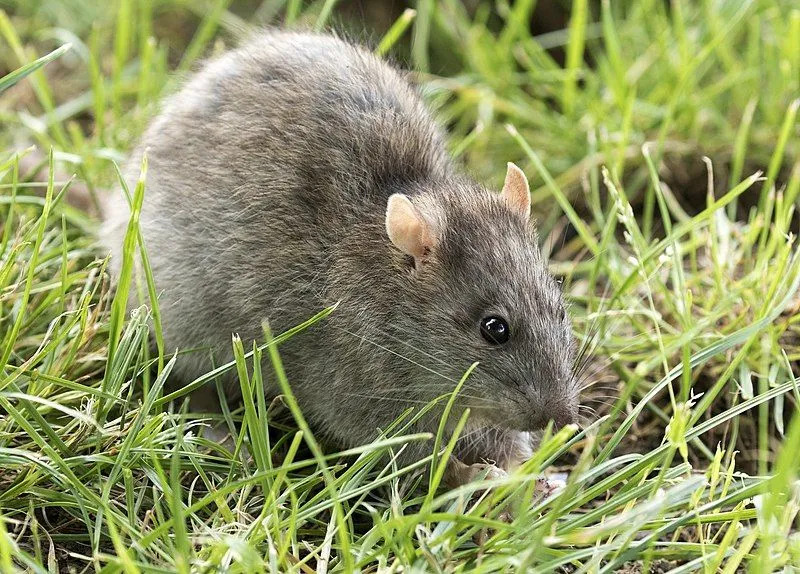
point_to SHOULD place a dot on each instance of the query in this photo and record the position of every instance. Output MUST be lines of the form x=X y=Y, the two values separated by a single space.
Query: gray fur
x=269 y=174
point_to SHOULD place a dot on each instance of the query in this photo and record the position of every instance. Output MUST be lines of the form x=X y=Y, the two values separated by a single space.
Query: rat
x=300 y=171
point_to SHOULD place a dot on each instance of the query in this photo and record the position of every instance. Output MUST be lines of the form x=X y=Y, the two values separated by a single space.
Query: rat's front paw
x=458 y=474
x=485 y=471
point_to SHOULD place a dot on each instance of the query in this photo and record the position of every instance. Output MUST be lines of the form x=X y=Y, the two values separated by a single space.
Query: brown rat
x=300 y=171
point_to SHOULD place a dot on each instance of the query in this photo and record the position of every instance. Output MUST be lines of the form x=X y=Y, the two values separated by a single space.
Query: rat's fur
x=267 y=188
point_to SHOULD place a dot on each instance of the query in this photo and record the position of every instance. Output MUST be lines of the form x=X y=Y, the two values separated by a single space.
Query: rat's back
x=255 y=168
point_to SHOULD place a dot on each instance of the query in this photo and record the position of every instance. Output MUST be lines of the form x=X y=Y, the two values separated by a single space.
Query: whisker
x=413 y=348
x=385 y=398
x=431 y=388
x=389 y=395
x=599 y=383
x=395 y=353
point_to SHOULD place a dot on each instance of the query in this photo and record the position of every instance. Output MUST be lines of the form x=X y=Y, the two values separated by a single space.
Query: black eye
x=495 y=330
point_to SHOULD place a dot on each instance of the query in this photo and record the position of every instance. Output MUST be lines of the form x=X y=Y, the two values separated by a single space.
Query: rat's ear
x=407 y=229
x=516 y=191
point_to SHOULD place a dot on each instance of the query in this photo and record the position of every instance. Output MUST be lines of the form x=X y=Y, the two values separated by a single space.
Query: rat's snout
x=565 y=413
x=561 y=411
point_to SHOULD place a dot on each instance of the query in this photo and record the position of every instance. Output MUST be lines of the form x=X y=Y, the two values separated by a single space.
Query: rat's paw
x=458 y=474
x=485 y=471
x=547 y=487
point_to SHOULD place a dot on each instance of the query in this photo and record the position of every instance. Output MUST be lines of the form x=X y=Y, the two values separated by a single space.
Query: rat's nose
x=564 y=414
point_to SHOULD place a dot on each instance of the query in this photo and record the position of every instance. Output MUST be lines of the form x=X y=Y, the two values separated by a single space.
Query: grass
x=664 y=158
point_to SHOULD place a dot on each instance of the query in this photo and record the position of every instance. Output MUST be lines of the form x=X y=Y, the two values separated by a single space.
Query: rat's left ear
x=516 y=191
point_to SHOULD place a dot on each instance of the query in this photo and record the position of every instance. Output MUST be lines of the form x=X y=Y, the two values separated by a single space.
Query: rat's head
x=479 y=290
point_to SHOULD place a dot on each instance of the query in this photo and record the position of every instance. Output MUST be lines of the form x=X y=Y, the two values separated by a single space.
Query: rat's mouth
x=560 y=415
x=558 y=412
x=533 y=421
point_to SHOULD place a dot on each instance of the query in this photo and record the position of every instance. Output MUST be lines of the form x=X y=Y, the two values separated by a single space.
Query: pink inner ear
x=406 y=228
x=516 y=191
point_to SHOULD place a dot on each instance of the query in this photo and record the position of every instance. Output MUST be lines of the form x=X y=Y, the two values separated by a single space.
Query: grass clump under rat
x=687 y=298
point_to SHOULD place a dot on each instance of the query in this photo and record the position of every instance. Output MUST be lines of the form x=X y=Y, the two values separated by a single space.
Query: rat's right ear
x=407 y=229
x=516 y=191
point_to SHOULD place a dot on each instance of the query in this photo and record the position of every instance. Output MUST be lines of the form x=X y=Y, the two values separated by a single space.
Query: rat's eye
x=495 y=330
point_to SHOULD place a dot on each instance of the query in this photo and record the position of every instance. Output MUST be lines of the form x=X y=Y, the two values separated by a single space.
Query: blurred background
x=684 y=74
